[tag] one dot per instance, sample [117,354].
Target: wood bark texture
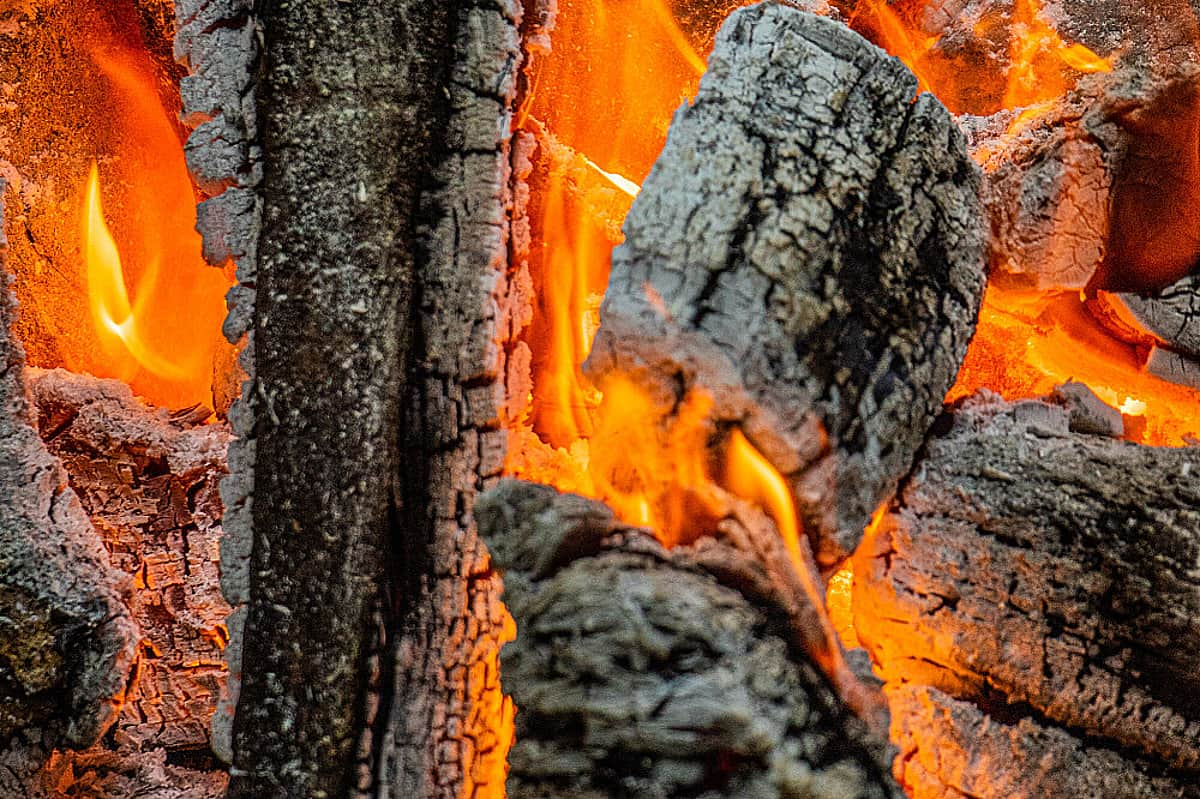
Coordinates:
[809,250]
[220,43]
[148,481]
[1048,580]
[447,724]
[373,617]
[320,431]
[642,672]
[66,639]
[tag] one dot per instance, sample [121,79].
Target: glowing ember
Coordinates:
[1041,65]
[1028,342]
[839,603]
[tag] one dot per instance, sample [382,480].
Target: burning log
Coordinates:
[148,481]
[1099,191]
[1031,598]
[808,251]
[640,671]
[68,641]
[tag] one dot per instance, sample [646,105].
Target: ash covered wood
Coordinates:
[1046,583]
[640,672]
[808,250]
[148,478]
[1099,191]
[67,641]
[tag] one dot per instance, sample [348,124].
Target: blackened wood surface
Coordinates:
[644,673]
[1045,575]
[444,734]
[66,640]
[809,250]
[349,109]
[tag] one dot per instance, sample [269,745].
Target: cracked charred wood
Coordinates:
[954,749]
[66,639]
[1048,579]
[643,672]
[148,479]
[1101,191]
[808,250]
[373,617]
[333,290]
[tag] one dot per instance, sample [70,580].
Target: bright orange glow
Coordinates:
[839,602]
[115,319]
[600,103]
[1041,65]
[752,477]
[650,463]
[748,474]
[156,306]
[1028,342]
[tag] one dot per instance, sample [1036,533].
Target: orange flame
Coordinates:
[1027,342]
[114,317]
[1041,65]
[156,306]
[1042,62]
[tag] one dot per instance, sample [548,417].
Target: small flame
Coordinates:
[839,600]
[114,317]
[156,306]
[751,476]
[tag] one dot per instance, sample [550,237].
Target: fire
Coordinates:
[115,319]
[1041,66]
[1027,342]
[156,307]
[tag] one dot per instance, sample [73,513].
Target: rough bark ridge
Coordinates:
[218,42]
[1049,579]
[344,143]
[646,673]
[447,723]
[809,250]
[67,641]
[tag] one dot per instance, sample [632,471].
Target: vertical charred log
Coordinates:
[348,102]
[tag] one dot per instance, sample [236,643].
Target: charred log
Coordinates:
[809,251]
[1098,192]
[334,271]
[366,571]
[67,639]
[642,672]
[1048,581]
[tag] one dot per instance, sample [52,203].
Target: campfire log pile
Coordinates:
[805,263]
[1029,609]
